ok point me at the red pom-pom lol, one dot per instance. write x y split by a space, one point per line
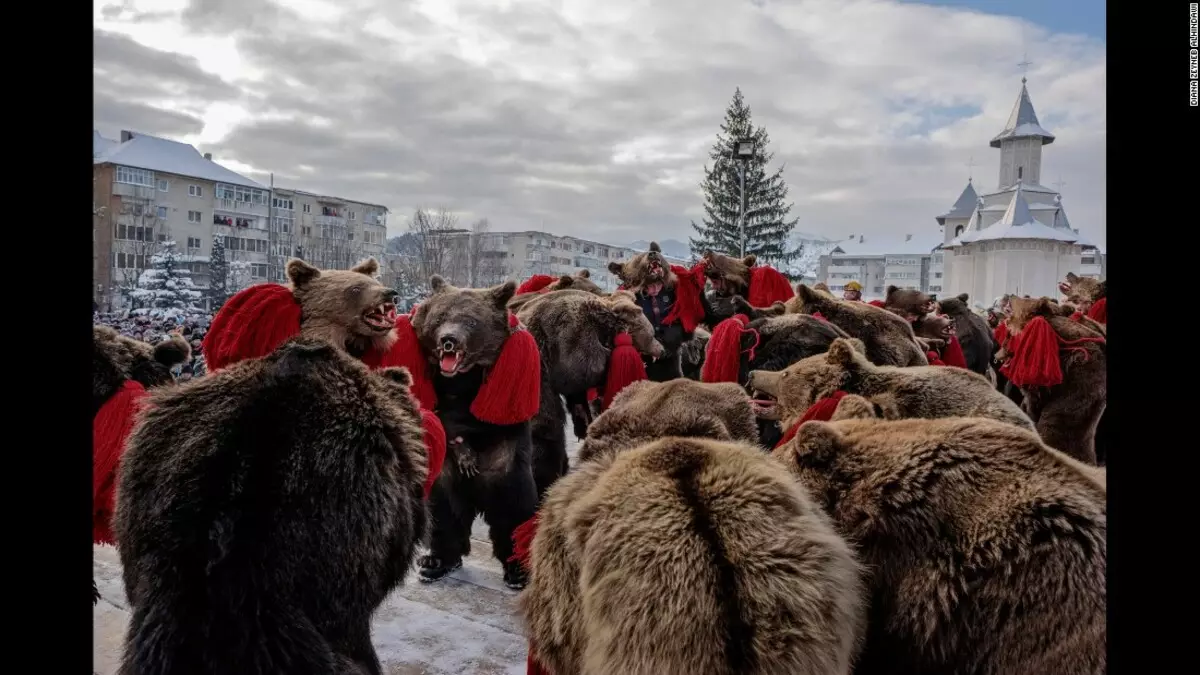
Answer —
435 447
511 392
110 429
406 351
689 288
1099 311
536 283
768 286
523 542
953 355
877 303
821 411
1034 361
934 359
723 355
252 324
624 368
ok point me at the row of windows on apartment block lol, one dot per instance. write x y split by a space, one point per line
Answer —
145 178
284 225
897 275
590 249
139 261
899 262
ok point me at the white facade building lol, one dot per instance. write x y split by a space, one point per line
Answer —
1016 239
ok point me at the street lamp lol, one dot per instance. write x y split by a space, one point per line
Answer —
743 151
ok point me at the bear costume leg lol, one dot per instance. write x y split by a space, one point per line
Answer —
666 368
509 501
453 512
1069 427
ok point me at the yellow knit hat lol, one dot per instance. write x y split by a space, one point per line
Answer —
854 286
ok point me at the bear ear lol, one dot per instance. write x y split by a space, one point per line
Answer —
816 444
843 353
890 290
655 247
300 272
1071 278
503 293
963 296
616 268
708 255
398 374
1044 307
436 283
565 281
749 260
583 274
368 267
805 293
854 407
778 308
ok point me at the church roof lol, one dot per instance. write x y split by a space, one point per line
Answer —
1023 122
1018 223
963 207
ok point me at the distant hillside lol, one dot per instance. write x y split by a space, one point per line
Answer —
671 247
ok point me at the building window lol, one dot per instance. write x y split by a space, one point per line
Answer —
937 275
958 230
132 176
878 289
134 233
258 270
280 203
162 212
163 185
195 191
1020 172
308 208
351 215
193 242
194 216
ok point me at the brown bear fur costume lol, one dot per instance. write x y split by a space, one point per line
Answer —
1067 413
908 303
265 511
673 300
500 481
676 550
760 285
580 281
575 333
973 333
722 307
889 339
928 392
1082 292
986 549
691 353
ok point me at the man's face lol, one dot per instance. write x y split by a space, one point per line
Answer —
851 295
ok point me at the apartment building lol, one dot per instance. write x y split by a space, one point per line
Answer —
877 262
147 190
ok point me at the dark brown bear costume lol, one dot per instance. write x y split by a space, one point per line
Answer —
889 339
676 549
672 298
928 392
265 511
986 549
576 334
909 303
464 335
1061 366
972 332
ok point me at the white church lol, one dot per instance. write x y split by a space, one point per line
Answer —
1015 239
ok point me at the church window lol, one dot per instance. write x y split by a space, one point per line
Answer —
958 230
1020 172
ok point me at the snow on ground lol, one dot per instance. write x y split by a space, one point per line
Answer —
465 624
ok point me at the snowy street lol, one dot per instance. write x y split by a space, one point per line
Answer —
465 624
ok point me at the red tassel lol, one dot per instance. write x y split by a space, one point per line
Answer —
110 430
624 368
933 358
1099 311
821 411
723 355
536 284
523 542
1034 361
593 394
768 286
1001 333
252 324
877 303
953 355
435 447
689 287
511 392
406 351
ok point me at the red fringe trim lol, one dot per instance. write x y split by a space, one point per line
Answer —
624 368
536 284
689 287
110 431
1000 335
511 391
821 411
1099 311
934 360
406 352
435 447
1035 360
252 324
768 286
877 303
953 355
723 355
523 542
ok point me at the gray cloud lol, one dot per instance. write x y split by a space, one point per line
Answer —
111 114
595 120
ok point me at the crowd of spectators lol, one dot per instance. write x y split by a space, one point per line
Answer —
152 331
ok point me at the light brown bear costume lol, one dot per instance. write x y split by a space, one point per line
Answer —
679 548
889 339
577 334
1060 364
928 392
986 549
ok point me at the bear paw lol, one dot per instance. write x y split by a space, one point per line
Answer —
434 568
515 576
464 459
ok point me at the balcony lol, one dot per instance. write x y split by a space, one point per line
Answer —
247 208
845 269
135 191
330 221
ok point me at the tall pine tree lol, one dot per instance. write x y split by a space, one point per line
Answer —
766 224
218 274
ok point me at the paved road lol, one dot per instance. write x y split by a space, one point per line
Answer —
465 624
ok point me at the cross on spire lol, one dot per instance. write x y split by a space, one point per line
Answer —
1060 183
1024 66
970 168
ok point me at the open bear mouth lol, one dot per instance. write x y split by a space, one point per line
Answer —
761 402
380 317
450 361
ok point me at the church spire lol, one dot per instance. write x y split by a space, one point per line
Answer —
1023 122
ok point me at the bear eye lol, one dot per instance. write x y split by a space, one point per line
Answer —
471 323
356 289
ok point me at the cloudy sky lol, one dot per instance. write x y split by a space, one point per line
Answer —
594 117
